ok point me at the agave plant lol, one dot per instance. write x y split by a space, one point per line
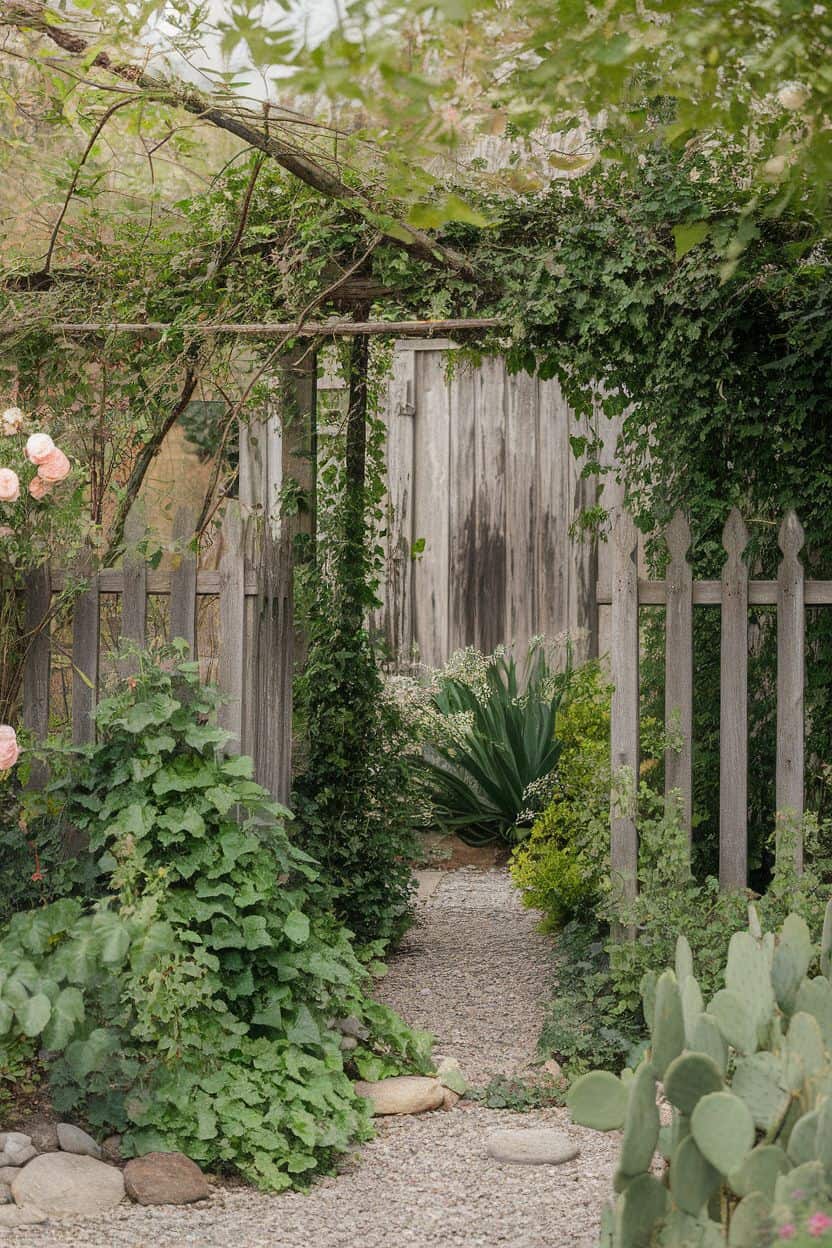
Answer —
486 780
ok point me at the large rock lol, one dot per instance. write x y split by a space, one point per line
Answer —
531 1146
19 1215
68 1185
402 1094
165 1179
8 1174
43 1131
74 1140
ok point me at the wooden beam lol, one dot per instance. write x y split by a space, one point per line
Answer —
264 330
709 594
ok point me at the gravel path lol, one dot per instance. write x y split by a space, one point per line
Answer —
472 971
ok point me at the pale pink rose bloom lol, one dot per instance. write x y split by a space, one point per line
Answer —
39 488
55 467
38 447
9 486
9 749
12 421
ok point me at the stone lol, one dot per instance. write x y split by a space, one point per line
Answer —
111 1150
8 1174
348 1043
14 1140
67 1185
531 1146
5 1194
74 1140
15 1215
450 1099
554 1071
402 1094
165 1179
352 1027
17 1155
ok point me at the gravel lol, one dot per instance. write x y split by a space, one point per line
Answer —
472 971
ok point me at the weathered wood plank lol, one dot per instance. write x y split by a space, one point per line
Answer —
461 506
624 727
733 730
709 593
397 612
134 594
85 645
791 665
271 689
182 581
431 512
490 508
230 671
36 672
553 546
679 667
522 503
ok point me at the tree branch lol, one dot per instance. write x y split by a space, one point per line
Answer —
33 15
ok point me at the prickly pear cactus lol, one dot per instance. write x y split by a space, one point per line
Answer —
748 1081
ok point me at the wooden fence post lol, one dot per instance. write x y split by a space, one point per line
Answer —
679 666
791 658
36 672
232 624
183 582
273 665
733 718
134 593
624 727
85 643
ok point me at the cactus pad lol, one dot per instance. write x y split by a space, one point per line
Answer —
693 1180
802 1145
760 1081
750 1221
723 1128
690 1077
734 1019
598 1100
668 1024
760 1171
705 1037
641 1127
640 1211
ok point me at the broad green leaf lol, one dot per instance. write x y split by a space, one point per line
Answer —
34 1014
687 237
67 1013
296 927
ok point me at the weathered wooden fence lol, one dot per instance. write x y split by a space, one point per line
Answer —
253 589
679 593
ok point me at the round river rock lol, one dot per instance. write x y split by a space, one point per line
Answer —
65 1185
165 1179
531 1146
402 1094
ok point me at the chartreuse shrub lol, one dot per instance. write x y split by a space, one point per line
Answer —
493 749
748 1150
191 1005
560 868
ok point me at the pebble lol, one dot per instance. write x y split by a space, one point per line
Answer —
15 1216
64 1184
74 1140
5 1193
531 1147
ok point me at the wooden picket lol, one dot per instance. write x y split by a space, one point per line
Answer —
255 646
679 593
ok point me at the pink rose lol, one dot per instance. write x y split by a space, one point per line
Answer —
818 1223
39 488
9 749
12 421
787 1231
9 486
38 447
55 467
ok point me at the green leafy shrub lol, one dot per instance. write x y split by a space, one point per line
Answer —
561 867
749 1145
486 771
192 1005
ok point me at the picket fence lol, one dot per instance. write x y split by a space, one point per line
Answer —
253 589
679 593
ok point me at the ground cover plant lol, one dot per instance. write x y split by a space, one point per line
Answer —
747 1076
189 998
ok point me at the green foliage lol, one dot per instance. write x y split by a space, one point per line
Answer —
586 1024
486 776
561 866
191 1005
520 1096
354 800
758 1134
